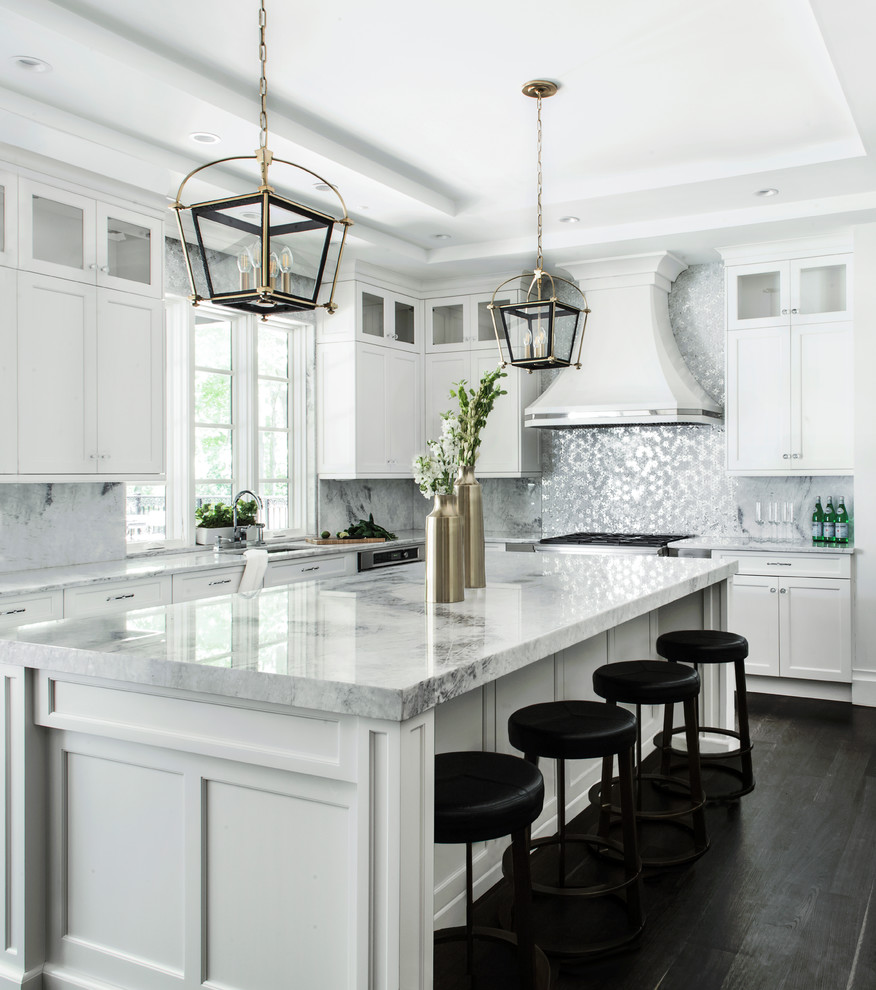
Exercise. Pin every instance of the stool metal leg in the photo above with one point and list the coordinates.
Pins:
(523, 909)
(744, 734)
(632, 862)
(697, 796)
(561, 823)
(469, 911)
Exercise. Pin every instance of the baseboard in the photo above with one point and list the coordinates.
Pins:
(799, 688)
(864, 688)
(32, 980)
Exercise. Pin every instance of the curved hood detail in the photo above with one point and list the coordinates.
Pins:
(632, 371)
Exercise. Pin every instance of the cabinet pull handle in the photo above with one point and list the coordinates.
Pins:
(119, 598)
(304, 570)
(223, 581)
(15, 611)
(779, 563)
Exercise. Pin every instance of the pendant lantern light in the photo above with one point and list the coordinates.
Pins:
(538, 330)
(260, 252)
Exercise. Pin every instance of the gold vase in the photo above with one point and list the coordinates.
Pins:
(471, 508)
(444, 567)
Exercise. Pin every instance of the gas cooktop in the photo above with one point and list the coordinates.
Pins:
(609, 542)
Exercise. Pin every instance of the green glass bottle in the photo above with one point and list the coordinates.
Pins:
(829, 523)
(842, 524)
(818, 523)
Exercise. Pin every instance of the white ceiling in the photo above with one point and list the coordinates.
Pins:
(670, 116)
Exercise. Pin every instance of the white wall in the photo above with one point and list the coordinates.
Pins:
(864, 684)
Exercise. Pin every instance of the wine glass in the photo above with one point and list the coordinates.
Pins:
(759, 519)
(774, 517)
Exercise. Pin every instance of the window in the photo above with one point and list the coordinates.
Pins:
(235, 420)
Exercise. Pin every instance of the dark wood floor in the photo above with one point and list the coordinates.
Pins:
(784, 898)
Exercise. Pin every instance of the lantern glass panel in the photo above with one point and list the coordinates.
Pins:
(565, 326)
(229, 236)
(298, 242)
(527, 329)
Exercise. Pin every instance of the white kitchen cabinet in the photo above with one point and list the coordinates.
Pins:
(454, 322)
(507, 449)
(789, 402)
(8, 219)
(796, 617)
(9, 370)
(370, 410)
(116, 596)
(287, 571)
(374, 314)
(90, 380)
(39, 607)
(72, 236)
(206, 584)
(793, 292)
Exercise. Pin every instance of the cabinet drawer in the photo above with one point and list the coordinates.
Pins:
(31, 608)
(784, 564)
(190, 587)
(120, 596)
(284, 572)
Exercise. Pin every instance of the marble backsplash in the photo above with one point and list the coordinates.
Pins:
(49, 525)
(512, 506)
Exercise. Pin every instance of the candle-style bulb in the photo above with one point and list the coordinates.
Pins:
(274, 269)
(244, 266)
(286, 260)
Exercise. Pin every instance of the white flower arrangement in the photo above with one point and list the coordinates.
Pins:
(435, 471)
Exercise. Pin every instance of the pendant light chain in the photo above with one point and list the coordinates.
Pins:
(539, 262)
(263, 82)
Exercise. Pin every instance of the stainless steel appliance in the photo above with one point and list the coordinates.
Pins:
(653, 543)
(390, 556)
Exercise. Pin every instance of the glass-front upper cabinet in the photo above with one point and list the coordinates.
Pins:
(447, 323)
(483, 335)
(70, 236)
(387, 317)
(800, 291)
(8, 219)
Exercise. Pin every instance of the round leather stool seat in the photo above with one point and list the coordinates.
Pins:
(646, 682)
(481, 796)
(572, 730)
(702, 646)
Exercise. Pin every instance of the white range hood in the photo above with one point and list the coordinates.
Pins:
(631, 369)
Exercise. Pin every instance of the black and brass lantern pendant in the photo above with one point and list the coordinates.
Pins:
(537, 330)
(261, 252)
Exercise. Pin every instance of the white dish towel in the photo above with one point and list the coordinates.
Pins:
(254, 572)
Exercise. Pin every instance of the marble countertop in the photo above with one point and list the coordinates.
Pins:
(366, 644)
(748, 543)
(156, 564)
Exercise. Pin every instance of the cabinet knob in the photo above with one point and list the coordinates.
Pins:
(793, 311)
(784, 591)
(772, 591)
(784, 312)
(92, 267)
(795, 456)
(105, 269)
(786, 456)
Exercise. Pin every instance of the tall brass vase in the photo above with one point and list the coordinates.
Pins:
(444, 567)
(471, 508)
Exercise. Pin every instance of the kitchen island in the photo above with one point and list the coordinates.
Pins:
(233, 791)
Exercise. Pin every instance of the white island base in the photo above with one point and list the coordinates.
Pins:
(179, 822)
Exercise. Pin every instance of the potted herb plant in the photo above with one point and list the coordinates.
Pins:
(215, 521)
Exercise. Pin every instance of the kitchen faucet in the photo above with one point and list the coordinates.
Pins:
(237, 534)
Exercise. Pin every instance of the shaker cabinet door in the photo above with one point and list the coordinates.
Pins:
(754, 613)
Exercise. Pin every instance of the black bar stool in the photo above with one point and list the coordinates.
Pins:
(480, 796)
(655, 682)
(579, 730)
(698, 646)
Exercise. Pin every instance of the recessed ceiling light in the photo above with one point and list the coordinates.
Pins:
(30, 63)
(569, 219)
(441, 237)
(204, 137)
(322, 186)
(767, 192)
